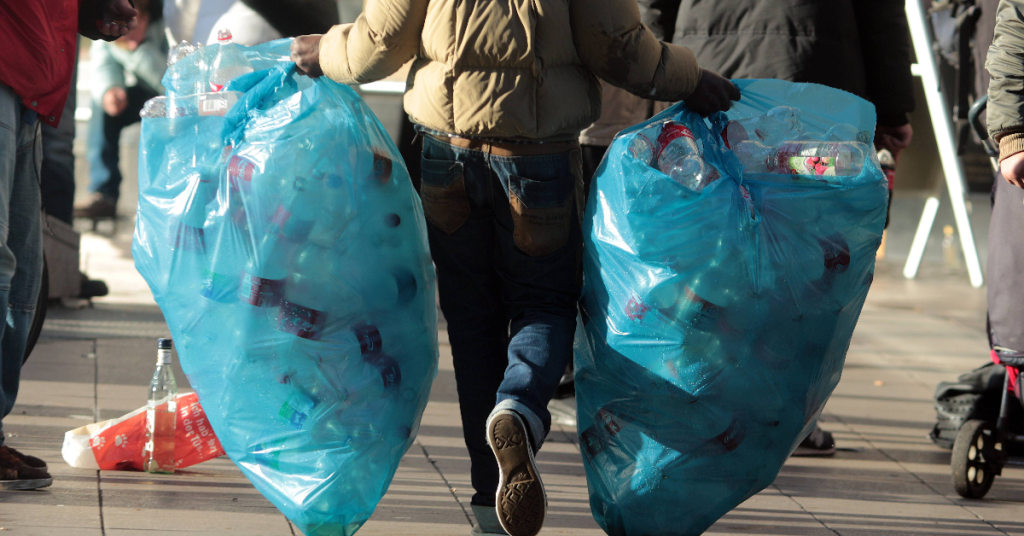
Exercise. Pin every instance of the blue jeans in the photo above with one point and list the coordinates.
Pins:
(104, 150)
(21, 239)
(505, 238)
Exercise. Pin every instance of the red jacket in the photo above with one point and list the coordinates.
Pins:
(38, 52)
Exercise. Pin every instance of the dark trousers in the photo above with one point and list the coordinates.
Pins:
(505, 238)
(104, 141)
(1005, 258)
(57, 175)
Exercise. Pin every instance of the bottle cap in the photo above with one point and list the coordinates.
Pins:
(224, 35)
(164, 344)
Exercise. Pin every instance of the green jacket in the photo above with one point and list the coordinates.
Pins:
(1006, 89)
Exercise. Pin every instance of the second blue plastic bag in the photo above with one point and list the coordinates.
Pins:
(283, 240)
(718, 307)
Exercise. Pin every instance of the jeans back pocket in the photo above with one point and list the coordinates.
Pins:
(443, 193)
(541, 213)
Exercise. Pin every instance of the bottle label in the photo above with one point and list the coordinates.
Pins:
(301, 321)
(607, 420)
(592, 442)
(369, 339)
(836, 253)
(791, 161)
(382, 167)
(390, 372)
(700, 313)
(213, 106)
(260, 292)
(296, 409)
(216, 88)
(240, 171)
(811, 165)
(219, 287)
(636, 309)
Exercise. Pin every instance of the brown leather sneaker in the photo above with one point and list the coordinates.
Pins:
(15, 475)
(30, 461)
(98, 206)
(521, 501)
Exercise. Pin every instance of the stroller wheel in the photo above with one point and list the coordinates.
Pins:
(973, 458)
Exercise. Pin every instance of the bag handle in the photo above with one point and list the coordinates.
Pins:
(259, 88)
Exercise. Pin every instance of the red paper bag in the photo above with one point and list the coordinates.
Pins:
(118, 443)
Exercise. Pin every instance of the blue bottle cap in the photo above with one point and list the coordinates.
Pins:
(164, 344)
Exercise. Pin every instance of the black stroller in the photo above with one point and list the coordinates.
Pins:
(982, 447)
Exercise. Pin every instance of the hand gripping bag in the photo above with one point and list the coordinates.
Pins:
(283, 240)
(715, 323)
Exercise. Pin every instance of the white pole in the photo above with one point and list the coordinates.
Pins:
(943, 126)
(931, 207)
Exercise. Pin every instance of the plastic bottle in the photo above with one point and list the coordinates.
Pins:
(843, 132)
(264, 277)
(779, 124)
(680, 157)
(315, 302)
(226, 234)
(336, 213)
(161, 414)
(642, 148)
(230, 62)
(187, 228)
(805, 158)
(950, 253)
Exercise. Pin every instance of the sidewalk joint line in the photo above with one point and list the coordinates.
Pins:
(806, 511)
(290, 526)
(445, 480)
(95, 383)
(913, 474)
(99, 500)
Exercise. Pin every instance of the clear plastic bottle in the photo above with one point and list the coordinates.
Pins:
(779, 124)
(161, 414)
(807, 158)
(315, 302)
(264, 277)
(229, 64)
(681, 158)
(228, 249)
(642, 148)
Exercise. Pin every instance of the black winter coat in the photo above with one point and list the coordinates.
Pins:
(861, 46)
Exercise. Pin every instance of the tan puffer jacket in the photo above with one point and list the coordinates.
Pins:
(508, 68)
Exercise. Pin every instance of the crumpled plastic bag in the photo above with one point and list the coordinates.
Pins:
(117, 444)
(715, 324)
(283, 240)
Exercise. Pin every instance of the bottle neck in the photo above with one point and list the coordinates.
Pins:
(163, 357)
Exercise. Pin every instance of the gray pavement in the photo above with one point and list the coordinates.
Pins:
(888, 479)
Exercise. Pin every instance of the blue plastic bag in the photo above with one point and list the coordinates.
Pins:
(284, 242)
(715, 324)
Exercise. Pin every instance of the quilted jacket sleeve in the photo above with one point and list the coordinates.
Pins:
(612, 42)
(1006, 90)
(377, 44)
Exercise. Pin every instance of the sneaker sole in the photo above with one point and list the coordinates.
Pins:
(521, 499)
(25, 484)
